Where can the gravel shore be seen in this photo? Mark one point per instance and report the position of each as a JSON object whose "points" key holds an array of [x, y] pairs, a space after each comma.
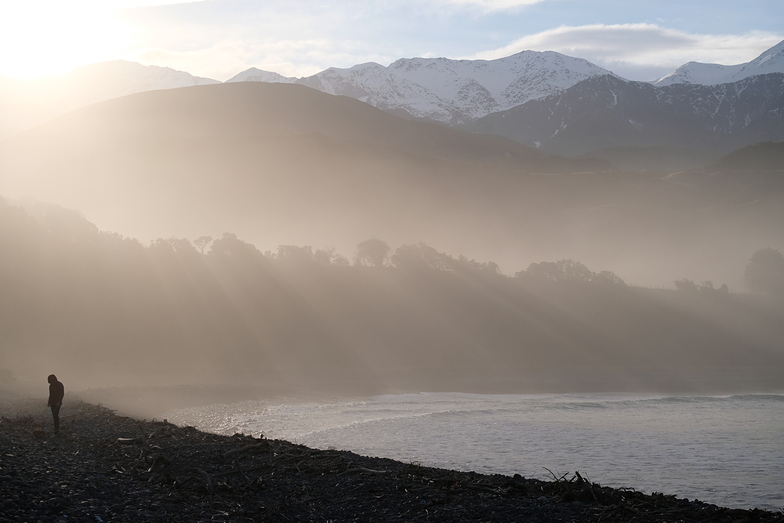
{"points": [[108, 468]]}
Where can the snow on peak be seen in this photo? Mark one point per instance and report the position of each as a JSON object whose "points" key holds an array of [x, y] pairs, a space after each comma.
{"points": [[771, 61], [257, 75], [497, 84], [699, 73], [448, 90]]}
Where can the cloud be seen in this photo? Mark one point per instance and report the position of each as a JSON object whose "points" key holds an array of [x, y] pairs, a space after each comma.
{"points": [[642, 51], [494, 5]]}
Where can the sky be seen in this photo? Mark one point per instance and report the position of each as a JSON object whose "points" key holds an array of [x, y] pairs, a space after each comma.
{"points": [[639, 40]]}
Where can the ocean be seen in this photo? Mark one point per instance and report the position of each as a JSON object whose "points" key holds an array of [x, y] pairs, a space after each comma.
{"points": [[726, 450]]}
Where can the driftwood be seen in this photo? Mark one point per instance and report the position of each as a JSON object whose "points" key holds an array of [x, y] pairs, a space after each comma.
{"points": [[239, 469], [207, 479], [355, 470]]}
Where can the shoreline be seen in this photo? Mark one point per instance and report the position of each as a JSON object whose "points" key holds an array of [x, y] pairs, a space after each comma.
{"points": [[106, 467], [155, 401]]}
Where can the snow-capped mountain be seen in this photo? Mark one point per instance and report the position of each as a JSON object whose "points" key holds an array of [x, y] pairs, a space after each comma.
{"points": [[454, 92], [771, 61], [375, 85], [605, 112], [510, 81], [445, 90]]}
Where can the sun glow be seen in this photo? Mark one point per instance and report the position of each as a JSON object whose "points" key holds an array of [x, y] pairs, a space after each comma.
{"points": [[50, 37]]}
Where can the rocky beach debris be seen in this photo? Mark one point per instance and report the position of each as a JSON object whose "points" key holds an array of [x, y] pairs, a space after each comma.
{"points": [[108, 468]]}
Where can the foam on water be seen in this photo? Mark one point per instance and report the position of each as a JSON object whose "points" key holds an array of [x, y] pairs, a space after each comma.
{"points": [[727, 450]]}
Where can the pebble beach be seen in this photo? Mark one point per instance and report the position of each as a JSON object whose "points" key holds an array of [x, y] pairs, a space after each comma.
{"points": [[103, 467]]}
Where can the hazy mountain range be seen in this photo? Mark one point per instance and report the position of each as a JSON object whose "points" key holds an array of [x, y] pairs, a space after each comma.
{"points": [[481, 94], [280, 164]]}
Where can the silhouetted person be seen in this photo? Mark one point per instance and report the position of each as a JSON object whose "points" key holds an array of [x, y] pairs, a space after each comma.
{"points": [[56, 393]]}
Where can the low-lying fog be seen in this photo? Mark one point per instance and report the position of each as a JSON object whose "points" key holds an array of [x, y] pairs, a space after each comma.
{"points": [[368, 254]]}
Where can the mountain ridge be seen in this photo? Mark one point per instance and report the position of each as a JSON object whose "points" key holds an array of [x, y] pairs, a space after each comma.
{"points": [[446, 90], [607, 111]]}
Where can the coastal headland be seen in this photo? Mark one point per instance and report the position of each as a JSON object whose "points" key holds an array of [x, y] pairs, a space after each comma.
{"points": [[104, 467]]}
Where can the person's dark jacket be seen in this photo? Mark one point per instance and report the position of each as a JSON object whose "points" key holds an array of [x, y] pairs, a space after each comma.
{"points": [[56, 391]]}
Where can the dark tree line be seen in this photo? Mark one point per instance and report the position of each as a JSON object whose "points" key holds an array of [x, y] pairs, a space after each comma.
{"points": [[110, 310]]}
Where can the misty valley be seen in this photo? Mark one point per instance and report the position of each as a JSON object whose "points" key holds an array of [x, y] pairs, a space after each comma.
{"points": [[108, 311]]}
